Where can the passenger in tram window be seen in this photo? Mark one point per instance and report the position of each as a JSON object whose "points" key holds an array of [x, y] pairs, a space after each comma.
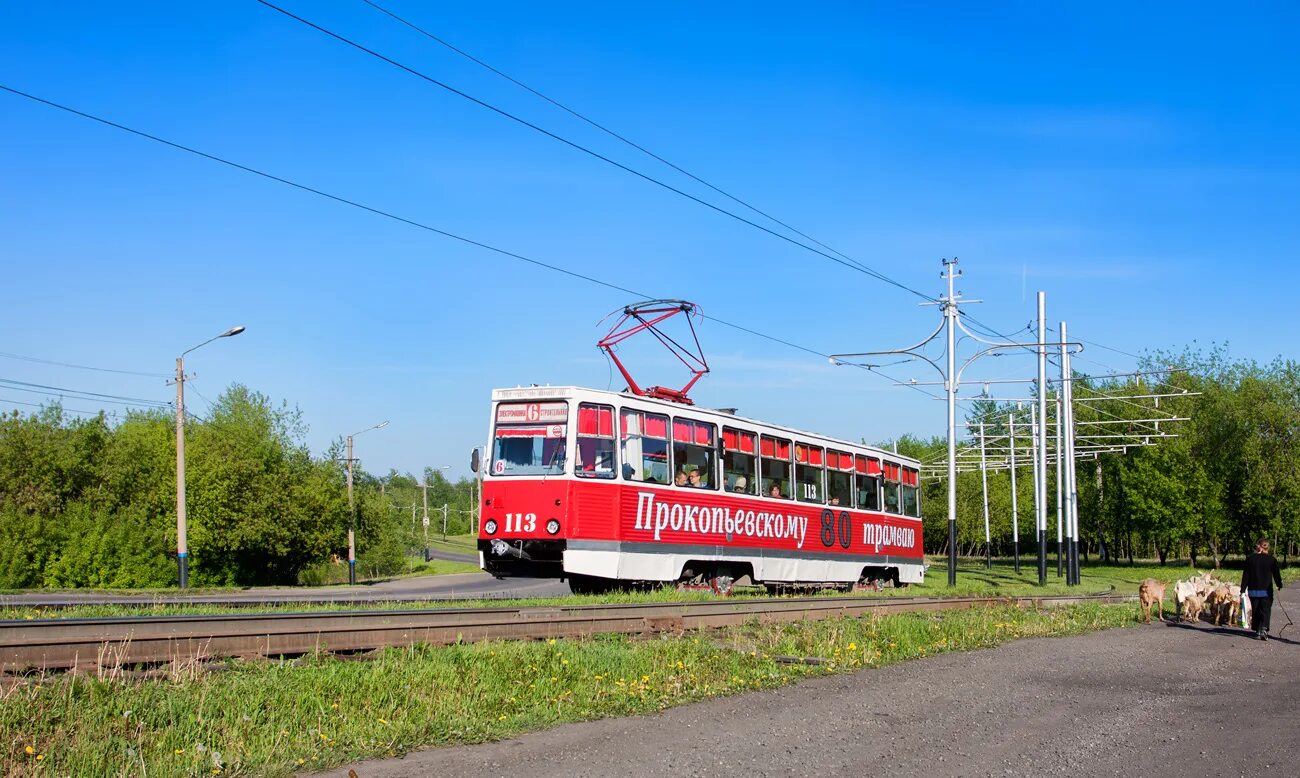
{"points": [[835, 501], [775, 491], [741, 485], [693, 479], [680, 479]]}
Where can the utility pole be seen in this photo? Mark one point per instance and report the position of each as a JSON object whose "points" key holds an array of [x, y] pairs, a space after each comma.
{"points": [[444, 522], [1059, 486], [984, 480], [950, 304], [352, 524], [182, 526], [1071, 482], [1040, 509], [424, 489], [1015, 514], [352, 508], [1034, 432]]}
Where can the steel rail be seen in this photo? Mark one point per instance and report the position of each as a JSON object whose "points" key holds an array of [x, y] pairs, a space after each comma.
{"points": [[88, 643]]}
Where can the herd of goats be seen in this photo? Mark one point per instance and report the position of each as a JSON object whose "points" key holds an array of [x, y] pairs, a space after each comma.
{"points": [[1202, 594]]}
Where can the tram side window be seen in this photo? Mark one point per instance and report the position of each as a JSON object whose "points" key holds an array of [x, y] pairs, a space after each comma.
{"points": [[595, 441], [892, 488], [911, 486], [645, 447], [530, 439], [839, 478], [739, 461], [809, 472], [774, 467], [867, 481], [694, 450]]}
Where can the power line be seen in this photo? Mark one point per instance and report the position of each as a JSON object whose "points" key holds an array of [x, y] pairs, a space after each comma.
{"points": [[80, 367], [383, 213], [59, 391], [851, 264], [616, 135], [48, 405]]}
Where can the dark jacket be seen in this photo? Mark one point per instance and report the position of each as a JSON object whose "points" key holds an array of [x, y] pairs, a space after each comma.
{"points": [[1260, 573]]}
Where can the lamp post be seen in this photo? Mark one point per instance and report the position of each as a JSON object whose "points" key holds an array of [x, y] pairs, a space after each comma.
{"points": [[182, 542], [352, 509]]}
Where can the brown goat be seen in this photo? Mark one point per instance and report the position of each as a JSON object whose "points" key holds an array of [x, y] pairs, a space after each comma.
{"points": [[1152, 592], [1192, 607]]}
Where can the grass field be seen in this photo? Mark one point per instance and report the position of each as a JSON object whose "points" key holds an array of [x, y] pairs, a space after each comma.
{"points": [[276, 718]]}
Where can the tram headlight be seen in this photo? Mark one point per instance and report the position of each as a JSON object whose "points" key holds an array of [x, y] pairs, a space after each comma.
{"points": [[490, 526], [553, 526]]}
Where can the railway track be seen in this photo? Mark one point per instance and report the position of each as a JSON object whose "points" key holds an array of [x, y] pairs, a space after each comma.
{"points": [[88, 643]]}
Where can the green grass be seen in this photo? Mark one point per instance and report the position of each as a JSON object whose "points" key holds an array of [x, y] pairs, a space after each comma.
{"points": [[463, 544], [275, 718]]}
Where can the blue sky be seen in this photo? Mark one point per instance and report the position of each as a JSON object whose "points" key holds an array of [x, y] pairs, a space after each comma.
{"points": [[1137, 162]]}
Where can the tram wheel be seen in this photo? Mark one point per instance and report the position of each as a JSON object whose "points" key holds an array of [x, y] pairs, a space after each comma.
{"points": [[590, 584]]}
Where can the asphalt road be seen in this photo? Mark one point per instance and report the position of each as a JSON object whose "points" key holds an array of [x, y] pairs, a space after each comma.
{"points": [[459, 586], [1157, 700]]}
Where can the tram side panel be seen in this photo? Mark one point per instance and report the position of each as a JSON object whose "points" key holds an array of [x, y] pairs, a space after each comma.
{"points": [[651, 533]]}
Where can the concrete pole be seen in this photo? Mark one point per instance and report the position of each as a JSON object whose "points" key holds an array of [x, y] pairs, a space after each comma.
{"points": [[1015, 513], [352, 523], [182, 530], [984, 480], [950, 381], [1040, 478], [444, 522], [424, 489], [1059, 487], [1071, 475]]}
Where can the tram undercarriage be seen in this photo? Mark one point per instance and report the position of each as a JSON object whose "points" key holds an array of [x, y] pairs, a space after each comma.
{"points": [[528, 558]]}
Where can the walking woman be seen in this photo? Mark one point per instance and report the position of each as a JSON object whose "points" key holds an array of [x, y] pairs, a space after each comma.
{"points": [[1257, 581]]}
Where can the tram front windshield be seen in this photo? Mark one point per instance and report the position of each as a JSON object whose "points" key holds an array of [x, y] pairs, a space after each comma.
{"points": [[534, 447]]}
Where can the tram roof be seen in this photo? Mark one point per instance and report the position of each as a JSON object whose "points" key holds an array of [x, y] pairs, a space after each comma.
{"points": [[521, 393]]}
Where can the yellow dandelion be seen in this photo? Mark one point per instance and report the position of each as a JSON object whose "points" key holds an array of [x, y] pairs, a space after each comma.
{"points": [[302, 761], [39, 757], [501, 718], [30, 750], [550, 642], [853, 646], [179, 751], [335, 706], [384, 722], [564, 661]]}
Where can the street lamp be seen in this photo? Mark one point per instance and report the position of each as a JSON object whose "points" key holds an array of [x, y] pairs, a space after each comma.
{"points": [[182, 544], [352, 509]]}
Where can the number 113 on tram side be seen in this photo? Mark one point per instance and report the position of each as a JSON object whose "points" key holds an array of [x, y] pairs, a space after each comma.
{"points": [[609, 489]]}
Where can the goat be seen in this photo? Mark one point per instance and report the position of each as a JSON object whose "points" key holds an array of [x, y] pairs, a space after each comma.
{"points": [[1192, 607], [1219, 603], [1152, 592]]}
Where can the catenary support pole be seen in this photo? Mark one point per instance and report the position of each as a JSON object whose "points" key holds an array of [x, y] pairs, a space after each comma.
{"points": [[1015, 512], [984, 482], [182, 529], [1040, 509], [1071, 484], [351, 521], [1059, 490], [1034, 467], [950, 381], [424, 493]]}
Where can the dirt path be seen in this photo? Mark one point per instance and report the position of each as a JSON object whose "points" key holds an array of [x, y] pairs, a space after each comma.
{"points": [[1159, 700]]}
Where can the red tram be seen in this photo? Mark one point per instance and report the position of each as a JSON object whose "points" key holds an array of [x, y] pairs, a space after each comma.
{"points": [[607, 489]]}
